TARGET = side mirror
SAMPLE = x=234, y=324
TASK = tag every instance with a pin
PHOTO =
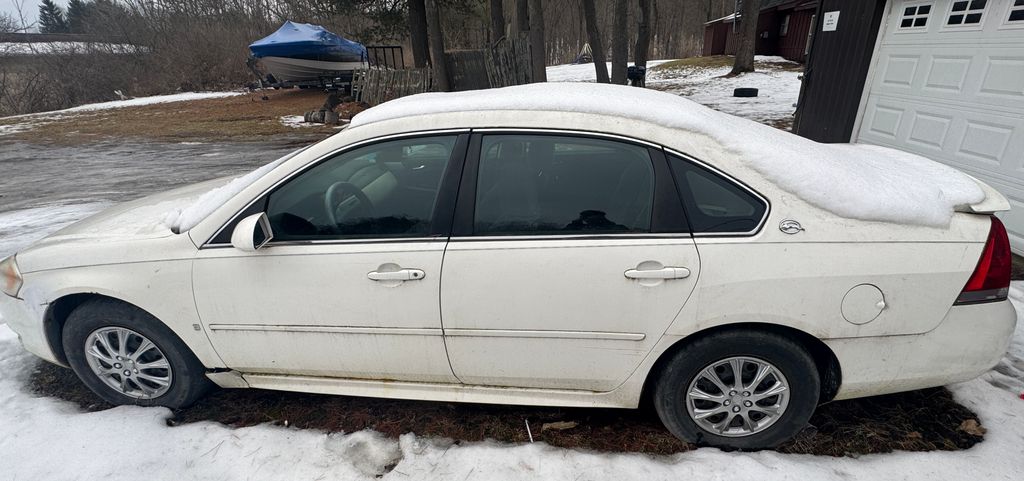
x=252, y=232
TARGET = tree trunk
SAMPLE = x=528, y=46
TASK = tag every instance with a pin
x=418, y=33
x=594, y=37
x=643, y=35
x=695, y=13
x=538, y=51
x=620, y=41
x=748, y=37
x=522, y=15
x=437, y=47
x=497, y=21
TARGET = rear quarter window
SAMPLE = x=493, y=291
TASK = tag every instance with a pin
x=715, y=204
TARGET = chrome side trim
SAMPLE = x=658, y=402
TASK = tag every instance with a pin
x=736, y=182
x=639, y=236
x=607, y=336
x=587, y=133
x=391, y=331
x=316, y=161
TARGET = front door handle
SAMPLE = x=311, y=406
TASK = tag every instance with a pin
x=663, y=273
x=399, y=275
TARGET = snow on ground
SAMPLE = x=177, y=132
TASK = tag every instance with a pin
x=778, y=88
x=295, y=121
x=45, y=438
x=584, y=72
x=43, y=48
x=878, y=183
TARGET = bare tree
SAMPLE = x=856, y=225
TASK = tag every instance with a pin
x=437, y=46
x=643, y=34
x=418, y=33
x=694, y=14
x=749, y=12
x=497, y=20
x=523, y=15
x=620, y=41
x=538, y=51
x=8, y=24
x=594, y=38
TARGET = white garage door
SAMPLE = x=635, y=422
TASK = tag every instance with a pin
x=948, y=83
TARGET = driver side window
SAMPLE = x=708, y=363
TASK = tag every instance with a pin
x=381, y=190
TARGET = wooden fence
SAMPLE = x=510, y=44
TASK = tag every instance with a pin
x=378, y=85
x=506, y=63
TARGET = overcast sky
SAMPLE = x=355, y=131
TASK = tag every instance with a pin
x=29, y=8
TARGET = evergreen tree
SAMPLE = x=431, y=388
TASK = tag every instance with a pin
x=51, y=18
x=78, y=13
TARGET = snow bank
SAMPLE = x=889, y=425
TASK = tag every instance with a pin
x=186, y=217
x=155, y=99
x=855, y=181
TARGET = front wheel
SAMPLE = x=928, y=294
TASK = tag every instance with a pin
x=126, y=356
x=742, y=390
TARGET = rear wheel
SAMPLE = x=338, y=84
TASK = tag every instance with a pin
x=126, y=356
x=743, y=390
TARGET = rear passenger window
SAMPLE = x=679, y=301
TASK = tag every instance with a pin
x=551, y=185
x=715, y=204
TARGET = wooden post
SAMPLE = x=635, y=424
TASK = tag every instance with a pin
x=437, y=46
x=538, y=51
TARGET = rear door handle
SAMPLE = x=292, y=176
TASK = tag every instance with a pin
x=399, y=275
x=663, y=273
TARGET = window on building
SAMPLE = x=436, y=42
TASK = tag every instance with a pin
x=966, y=12
x=784, y=28
x=915, y=16
x=1017, y=11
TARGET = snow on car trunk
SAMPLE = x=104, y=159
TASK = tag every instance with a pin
x=855, y=181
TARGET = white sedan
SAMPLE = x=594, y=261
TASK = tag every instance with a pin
x=561, y=245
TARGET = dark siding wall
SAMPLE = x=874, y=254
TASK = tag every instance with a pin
x=794, y=44
x=836, y=70
x=765, y=23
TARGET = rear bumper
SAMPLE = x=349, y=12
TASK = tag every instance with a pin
x=27, y=323
x=970, y=340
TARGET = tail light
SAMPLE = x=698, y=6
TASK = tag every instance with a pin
x=991, y=279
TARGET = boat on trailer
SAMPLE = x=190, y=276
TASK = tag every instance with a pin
x=307, y=55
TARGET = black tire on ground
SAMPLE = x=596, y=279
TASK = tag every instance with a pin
x=744, y=92
x=788, y=356
x=188, y=382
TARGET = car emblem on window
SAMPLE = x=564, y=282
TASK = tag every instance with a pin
x=790, y=226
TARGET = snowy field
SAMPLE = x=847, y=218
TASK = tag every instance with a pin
x=778, y=87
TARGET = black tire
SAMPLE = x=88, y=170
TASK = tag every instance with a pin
x=788, y=356
x=744, y=92
x=188, y=382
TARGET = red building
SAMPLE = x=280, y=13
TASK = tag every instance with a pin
x=783, y=29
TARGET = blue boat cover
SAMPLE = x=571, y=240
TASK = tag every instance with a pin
x=307, y=41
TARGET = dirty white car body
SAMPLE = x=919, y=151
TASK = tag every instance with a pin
x=561, y=320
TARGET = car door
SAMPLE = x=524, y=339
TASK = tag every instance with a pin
x=569, y=260
x=348, y=286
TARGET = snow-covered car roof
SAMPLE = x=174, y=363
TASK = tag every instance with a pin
x=851, y=180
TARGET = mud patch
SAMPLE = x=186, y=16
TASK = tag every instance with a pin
x=925, y=420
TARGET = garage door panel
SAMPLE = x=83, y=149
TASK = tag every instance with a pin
x=954, y=94
x=974, y=138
